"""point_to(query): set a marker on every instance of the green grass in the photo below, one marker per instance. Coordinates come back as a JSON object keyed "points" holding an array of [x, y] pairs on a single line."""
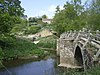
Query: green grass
{"points": [[93, 71], [18, 48], [48, 42], [22, 48]]}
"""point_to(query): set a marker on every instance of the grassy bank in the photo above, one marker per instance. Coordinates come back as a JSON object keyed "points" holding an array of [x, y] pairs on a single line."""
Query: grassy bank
{"points": [[17, 48], [93, 71], [48, 42]]}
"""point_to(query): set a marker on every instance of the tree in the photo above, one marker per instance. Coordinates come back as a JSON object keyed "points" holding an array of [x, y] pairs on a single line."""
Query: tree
{"points": [[6, 23], [10, 11], [44, 16], [70, 18], [57, 9], [32, 19], [94, 15], [12, 7]]}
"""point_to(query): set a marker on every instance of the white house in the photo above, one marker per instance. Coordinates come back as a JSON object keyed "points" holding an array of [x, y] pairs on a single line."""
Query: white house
{"points": [[47, 21]]}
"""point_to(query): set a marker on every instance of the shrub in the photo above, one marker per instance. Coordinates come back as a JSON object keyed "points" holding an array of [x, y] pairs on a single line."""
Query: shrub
{"points": [[18, 48], [1, 54], [93, 71], [38, 52], [48, 42], [32, 30]]}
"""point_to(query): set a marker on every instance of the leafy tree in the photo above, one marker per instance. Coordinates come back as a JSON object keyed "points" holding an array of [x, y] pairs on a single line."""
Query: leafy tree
{"points": [[44, 16], [70, 18], [6, 23], [10, 10], [12, 7], [94, 15], [32, 19], [57, 9], [20, 27]]}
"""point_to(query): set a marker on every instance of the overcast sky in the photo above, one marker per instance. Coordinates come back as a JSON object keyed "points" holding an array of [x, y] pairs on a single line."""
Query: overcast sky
{"points": [[35, 8]]}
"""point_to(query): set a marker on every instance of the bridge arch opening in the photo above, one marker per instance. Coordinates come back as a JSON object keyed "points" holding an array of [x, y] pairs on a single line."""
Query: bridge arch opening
{"points": [[78, 56]]}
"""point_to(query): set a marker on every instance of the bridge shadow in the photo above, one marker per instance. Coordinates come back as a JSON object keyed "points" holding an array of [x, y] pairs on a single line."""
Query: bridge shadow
{"points": [[78, 56]]}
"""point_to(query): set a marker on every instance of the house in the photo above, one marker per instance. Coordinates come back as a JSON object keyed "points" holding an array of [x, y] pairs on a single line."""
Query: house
{"points": [[47, 21]]}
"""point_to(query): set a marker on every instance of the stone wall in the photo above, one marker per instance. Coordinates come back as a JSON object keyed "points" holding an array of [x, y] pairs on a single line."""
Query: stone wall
{"points": [[65, 50]]}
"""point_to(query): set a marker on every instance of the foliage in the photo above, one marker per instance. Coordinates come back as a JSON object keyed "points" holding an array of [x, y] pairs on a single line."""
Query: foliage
{"points": [[34, 19], [48, 42], [38, 52], [20, 27], [93, 71], [32, 29], [1, 54], [10, 10], [93, 15], [6, 23], [69, 18], [57, 9], [44, 16], [12, 7], [76, 16], [17, 48]]}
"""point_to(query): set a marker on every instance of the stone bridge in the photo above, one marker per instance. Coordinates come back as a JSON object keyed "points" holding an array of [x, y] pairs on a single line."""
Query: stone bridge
{"points": [[79, 49]]}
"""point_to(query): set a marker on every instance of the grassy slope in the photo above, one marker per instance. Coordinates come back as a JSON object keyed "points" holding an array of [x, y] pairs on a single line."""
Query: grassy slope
{"points": [[23, 48], [48, 42]]}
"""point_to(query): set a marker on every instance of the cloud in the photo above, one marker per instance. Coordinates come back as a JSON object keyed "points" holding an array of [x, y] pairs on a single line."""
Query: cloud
{"points": [[50, 11]]}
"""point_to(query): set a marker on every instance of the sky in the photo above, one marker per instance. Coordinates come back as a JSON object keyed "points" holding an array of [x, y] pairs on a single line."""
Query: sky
{"points": [[37, 8]]}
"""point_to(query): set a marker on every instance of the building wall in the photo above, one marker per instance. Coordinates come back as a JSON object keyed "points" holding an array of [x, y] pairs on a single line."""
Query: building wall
{"points": [[47, 21]]}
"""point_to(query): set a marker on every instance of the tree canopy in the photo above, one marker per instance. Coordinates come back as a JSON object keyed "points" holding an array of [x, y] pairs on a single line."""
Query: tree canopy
{"points": [[12, 7], [68, 18], [76, 16], [44, 16], [10, 10], [93, 15]]}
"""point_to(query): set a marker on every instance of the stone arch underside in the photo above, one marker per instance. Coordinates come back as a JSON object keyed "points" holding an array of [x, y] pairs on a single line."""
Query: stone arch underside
{"points": [[78, 56]]}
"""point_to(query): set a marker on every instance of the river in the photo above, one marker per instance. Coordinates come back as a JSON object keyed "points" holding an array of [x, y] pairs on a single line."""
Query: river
{"points": [[29, 67]]}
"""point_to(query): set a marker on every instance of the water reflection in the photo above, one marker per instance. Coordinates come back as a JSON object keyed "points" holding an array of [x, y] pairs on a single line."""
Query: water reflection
{"points": [[43, 67]]}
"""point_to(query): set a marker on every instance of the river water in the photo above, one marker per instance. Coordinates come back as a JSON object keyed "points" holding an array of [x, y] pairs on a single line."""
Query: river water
{"points": [[30, 67]]}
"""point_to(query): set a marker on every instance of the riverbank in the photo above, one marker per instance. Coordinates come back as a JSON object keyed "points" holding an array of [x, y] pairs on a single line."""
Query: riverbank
{"points": [[19, 48]]}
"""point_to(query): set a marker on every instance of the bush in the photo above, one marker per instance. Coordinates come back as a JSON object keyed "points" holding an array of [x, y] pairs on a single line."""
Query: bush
{"points": [[37, 52], [48, 42], [18, 48], [1, 54], [6, 23], [32, 30]]}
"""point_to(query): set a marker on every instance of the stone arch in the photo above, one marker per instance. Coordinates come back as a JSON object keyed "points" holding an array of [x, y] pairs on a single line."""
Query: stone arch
{"points": [[78, 56]]}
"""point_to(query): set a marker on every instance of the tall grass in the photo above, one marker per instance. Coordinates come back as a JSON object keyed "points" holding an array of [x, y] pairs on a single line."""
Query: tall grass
{"points": [[18, 48], [48, 42], [22, 48], [93, 71]]}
